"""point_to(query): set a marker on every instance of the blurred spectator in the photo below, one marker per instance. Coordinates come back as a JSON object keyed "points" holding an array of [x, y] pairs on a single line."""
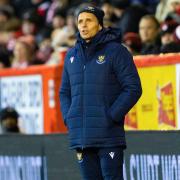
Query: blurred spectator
{"points": [[167, 32], [62, 39], [162, 10], [133, 42], [59, 19], [61, 4], [21, 6], [149, 4], [42, 6], [149, 29], [4, 2], [174, 14], [73, 3], [24, 54], [167, 37], [31, 22], [44, 51], [43, 34], [4, 58], [129, 15], [8, 24], [71, 20], [174, 5], [109, 18], [9, 120]]}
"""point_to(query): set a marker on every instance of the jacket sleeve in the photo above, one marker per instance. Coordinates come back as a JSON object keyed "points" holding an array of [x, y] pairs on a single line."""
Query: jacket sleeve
{"points": [[127, 75], [65, 94]]}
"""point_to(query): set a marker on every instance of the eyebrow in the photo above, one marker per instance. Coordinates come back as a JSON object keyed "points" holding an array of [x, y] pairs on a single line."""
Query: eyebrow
{"points": [[87, 18]]}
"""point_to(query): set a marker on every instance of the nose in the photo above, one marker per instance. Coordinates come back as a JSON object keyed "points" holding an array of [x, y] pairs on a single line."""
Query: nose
{"points": [[84, 24]]}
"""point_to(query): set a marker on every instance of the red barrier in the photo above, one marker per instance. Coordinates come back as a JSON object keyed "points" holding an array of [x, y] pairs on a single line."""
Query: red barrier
{"points": [[154, 60]]}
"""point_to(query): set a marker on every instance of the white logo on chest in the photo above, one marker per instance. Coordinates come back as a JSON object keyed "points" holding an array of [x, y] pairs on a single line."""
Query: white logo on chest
{"points": [[72, 59], [112, 154]]}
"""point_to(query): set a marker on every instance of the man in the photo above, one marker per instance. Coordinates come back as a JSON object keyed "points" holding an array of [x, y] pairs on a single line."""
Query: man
{"points": [[149, 29], [99, 86]]}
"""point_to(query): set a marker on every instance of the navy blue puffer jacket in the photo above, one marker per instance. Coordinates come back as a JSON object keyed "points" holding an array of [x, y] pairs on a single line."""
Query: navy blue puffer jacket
{"points": [[100, 84]]}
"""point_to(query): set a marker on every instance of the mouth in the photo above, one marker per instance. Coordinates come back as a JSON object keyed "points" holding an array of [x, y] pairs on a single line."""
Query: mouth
{"points": [[84, 32]]}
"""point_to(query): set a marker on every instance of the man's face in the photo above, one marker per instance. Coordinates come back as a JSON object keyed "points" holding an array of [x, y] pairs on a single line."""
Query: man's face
{"points": [[88, 26], [148, 30]]}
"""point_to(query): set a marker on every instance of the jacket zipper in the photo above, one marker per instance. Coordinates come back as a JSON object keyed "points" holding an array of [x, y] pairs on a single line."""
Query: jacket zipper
{"points": [[83, 100], [83, 103]]}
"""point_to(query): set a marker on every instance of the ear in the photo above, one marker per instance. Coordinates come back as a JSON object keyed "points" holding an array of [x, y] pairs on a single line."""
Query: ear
{"points": [[100, 27]]}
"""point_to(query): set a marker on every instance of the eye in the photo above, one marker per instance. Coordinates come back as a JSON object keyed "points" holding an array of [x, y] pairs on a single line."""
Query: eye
{"points": [[80, 21], [88, 20]]}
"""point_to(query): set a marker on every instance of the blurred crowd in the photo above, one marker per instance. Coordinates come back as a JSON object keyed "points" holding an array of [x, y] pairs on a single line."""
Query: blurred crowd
{"points": [[34, 32]]}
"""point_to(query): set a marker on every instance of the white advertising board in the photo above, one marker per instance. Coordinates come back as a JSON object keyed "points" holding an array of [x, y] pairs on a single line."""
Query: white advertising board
{"points": [[25, 94]]}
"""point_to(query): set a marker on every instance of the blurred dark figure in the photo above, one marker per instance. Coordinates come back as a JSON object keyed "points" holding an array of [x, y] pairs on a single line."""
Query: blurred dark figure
{"points": [[133, 42], [74, 3], [109, 17], [59, 18], [168, 38], [9, 120], [4, 58], [31, 22], [149, 4], [22, 6], [128, 15]]}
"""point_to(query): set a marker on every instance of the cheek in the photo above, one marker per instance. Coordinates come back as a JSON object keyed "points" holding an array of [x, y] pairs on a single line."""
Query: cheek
{"points": [[94, 30], [79, 27], [153, 32], [142, 32]]}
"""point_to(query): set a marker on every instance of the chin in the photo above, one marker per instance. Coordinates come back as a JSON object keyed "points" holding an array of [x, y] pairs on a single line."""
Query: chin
{"points": [[85, 37]]}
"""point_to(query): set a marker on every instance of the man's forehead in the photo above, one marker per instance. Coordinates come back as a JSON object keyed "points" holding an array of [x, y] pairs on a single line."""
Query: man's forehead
{"points": [[86, 15]]}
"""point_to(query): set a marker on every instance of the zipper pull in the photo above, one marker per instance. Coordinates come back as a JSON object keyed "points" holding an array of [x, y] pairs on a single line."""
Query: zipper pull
{"points": [[84, 67]]}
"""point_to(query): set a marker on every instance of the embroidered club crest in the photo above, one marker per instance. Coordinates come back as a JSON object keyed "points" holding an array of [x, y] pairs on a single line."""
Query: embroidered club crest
{"points": [[79, 156], [101, 60]]}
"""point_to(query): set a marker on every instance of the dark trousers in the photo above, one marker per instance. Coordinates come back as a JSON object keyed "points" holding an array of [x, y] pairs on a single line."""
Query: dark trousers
{"points": [[101, 163]]}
